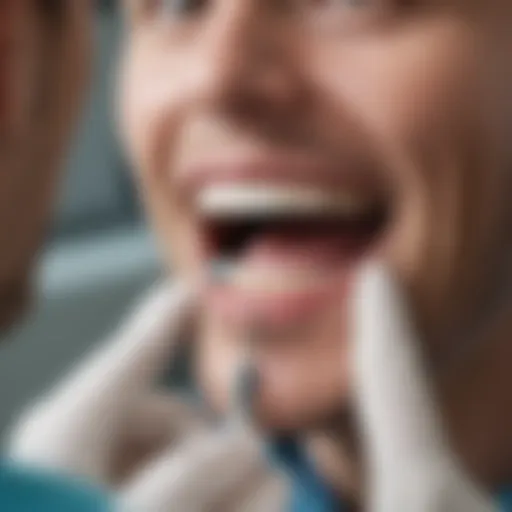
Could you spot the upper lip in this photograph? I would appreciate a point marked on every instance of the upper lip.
(279, 168)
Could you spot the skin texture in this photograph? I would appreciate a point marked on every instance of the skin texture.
(418, 90)
(44, 55)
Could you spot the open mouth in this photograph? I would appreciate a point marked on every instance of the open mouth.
(307, 226)
(278, 253)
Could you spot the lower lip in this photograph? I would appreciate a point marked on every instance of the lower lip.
(282, 308)
(329, 262)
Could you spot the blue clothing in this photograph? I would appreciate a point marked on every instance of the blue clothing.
(27, 490)
(309, 493)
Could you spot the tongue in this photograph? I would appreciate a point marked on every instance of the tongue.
(282, 277)
(307, 249)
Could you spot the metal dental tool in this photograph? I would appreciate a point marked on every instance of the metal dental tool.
(246, 382)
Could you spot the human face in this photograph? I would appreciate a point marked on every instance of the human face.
(43, 63)
(292, 140)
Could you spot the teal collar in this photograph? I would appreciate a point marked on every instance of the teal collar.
(24, 489)
(505, 500)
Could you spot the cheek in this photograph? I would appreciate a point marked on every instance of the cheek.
(420, 97)
(154, 97)
(150, 112)
(411, 92)
(406, 86)
(146, 110)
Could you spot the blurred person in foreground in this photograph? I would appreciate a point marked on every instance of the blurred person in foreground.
(44, 61)
(347, 166)
(45, 49)
(44, 52)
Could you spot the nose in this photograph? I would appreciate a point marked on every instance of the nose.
(250, 62)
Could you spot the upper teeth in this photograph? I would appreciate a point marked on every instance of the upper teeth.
(264, 200)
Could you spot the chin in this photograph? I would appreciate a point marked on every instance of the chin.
(303, 371)
(294, 415)
(287, 407)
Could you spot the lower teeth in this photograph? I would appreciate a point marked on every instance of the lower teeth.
(264, 278)
(221, 269)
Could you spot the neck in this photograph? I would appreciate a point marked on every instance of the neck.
(335, 451)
